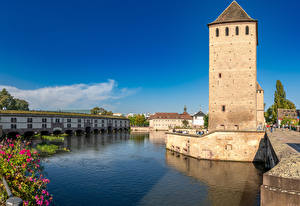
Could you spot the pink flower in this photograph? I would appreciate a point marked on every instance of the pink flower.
(23, 151)
(11, 145)
(25, 202)
(28, 160)
(18, 135)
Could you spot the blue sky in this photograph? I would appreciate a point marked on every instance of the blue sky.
(133, 55)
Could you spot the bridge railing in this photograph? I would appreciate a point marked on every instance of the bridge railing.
(11, 201)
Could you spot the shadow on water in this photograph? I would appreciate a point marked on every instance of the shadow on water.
(229, 183)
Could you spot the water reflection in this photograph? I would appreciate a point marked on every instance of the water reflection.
(135, 169)
(229, 183)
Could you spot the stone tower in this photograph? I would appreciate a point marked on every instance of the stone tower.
(235, 97)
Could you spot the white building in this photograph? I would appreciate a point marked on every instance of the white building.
(198, 119)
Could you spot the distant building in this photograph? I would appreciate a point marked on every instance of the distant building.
(117, 114)
(292, 114)
(198, 119)
(166, 121)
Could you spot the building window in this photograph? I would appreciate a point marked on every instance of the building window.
(68, 120)
(88, 121)
(13, 120)
(13, 126)
(223, 108)
(79, 121)
(247, 30)
(95, 121)
(237, 30)
(29, 119)
(96, 125)
(44, 125)
(44, 120)
(69, 125)
(220, 75)
(57, 120)
(217, 32)
(102, 121)
(102, 125)
(29, 126)
(79, 125)
(227, 31)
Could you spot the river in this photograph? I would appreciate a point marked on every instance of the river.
(136, 169)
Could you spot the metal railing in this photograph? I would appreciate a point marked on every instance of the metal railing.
(11, 201)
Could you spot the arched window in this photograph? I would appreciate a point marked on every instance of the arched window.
(247, 30)
(227, 31)
(217, 32)
(237, 30)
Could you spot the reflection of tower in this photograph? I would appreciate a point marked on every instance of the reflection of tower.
(233, 87)
(228, 183)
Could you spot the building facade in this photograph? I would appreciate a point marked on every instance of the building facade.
(291, 114)
(28, 121)
(198, 119)
(166, 121)
(235, 97)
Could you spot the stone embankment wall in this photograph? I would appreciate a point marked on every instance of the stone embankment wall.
(281, 184)
(140, 129)
(219, 145)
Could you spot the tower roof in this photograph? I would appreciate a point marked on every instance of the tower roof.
(233, 13)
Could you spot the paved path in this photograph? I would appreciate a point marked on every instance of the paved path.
(291, 138)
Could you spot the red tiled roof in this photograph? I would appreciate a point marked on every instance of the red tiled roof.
(161, 115)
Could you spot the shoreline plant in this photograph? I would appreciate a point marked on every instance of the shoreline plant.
(22, 169)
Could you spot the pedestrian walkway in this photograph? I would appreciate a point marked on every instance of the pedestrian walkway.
(291, 138)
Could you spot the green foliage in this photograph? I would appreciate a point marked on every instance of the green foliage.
(280, 102)
(286, 121)
(185, 123)
(57, 113)
(206, 117)
(10, 103)
(47, 148)
(101, 111)
(139, 120)
(21, 168)
(53, 138)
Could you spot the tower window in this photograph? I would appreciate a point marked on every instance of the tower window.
(223, 108)
(247, 30)
(227, 31)
(220, 75)
(217, 32)
(237, 30)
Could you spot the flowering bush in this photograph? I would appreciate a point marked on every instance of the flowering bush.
(22, 170)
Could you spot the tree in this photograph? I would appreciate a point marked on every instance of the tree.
(102, 111)
(8, 102)
(22, 104)
(95, 110)
(206, 117)
(280, 102)
(185, 123)
(138, 120)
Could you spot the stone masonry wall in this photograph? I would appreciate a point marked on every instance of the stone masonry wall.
(220, 145)
(232, 77)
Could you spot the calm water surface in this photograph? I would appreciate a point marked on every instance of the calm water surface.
(135, 169)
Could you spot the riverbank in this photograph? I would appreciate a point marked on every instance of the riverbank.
(139, 129)
(281, 184)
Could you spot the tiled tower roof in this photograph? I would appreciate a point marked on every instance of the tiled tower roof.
(233, 13)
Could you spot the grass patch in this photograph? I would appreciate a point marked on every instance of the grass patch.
(47, 148)
(54, 138)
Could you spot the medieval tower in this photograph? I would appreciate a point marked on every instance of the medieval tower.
(235, 97)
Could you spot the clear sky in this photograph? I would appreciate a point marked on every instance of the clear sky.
(133, 55)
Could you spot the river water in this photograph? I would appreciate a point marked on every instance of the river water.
(136, 169)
